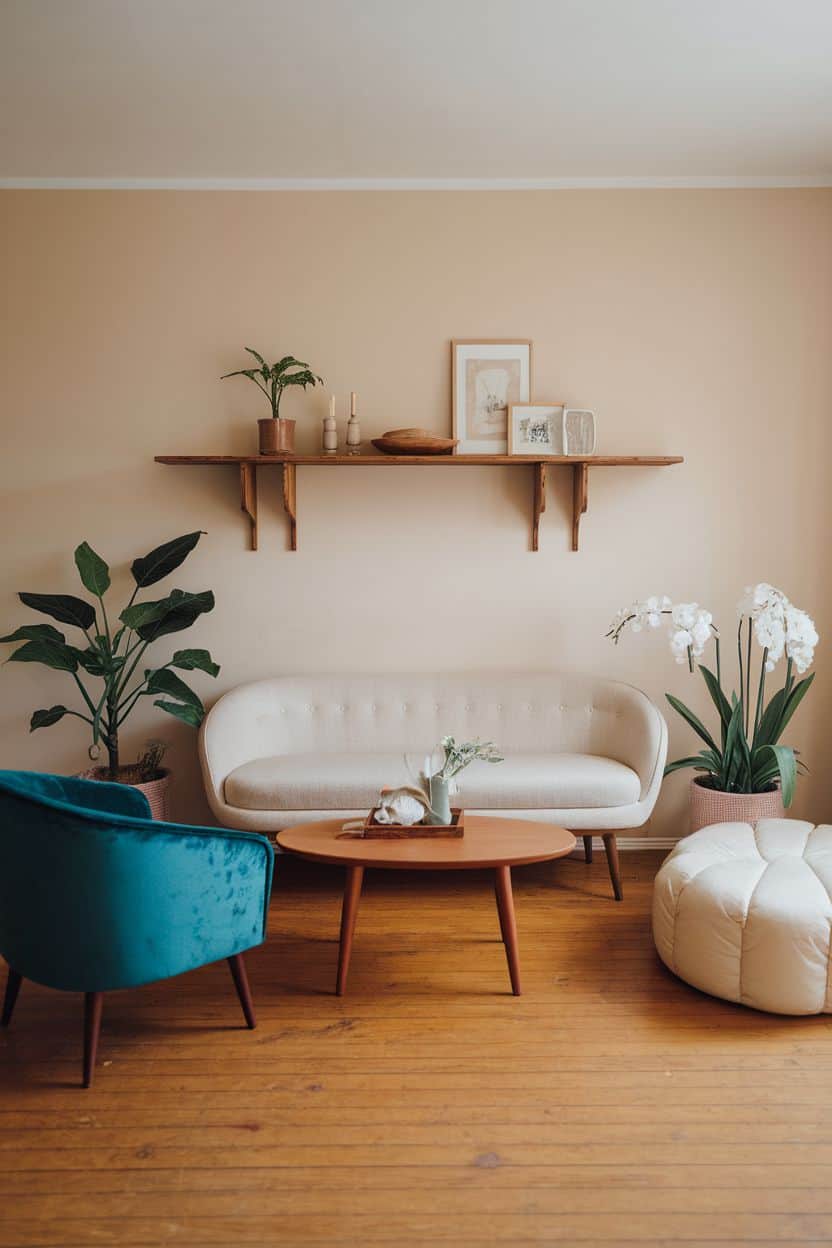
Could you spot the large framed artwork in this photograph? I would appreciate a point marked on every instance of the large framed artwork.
(488, 376)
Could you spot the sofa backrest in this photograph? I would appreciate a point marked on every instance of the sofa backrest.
(527, 712)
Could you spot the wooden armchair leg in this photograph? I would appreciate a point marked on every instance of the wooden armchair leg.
(238, 974)
(611, 847)
(12, 989)
(588, 848)
(93, 1003)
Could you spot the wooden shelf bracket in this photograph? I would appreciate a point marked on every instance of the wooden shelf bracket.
(580, 498)
(290, 505)
(248, 497)
(539, 503)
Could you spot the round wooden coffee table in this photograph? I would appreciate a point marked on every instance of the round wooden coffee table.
(489, 842)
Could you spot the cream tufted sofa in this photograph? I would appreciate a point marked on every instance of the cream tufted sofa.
(581, 752)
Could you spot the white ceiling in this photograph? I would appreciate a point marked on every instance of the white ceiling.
(538, 90)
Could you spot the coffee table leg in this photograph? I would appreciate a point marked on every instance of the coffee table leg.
(349, 909)
(508, 926)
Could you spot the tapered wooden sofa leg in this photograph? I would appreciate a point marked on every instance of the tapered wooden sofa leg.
(93, 1004)
(588, 848)
(238, 973)
(12, 989)
(611, 847)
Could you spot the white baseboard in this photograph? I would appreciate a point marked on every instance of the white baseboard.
(629, 842)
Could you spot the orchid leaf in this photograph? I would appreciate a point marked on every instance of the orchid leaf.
(787, 768)
(695, 723)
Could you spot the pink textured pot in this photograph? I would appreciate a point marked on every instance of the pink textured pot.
(156, 791)
(709, 806)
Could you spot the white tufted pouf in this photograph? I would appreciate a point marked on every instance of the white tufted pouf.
(745, 912)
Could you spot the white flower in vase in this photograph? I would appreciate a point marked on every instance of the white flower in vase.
(750, 758)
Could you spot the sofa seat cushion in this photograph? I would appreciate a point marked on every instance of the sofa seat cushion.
(352, 782)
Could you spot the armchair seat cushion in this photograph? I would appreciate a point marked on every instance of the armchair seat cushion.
(351, 781)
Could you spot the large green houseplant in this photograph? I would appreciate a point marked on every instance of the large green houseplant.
(106, 665)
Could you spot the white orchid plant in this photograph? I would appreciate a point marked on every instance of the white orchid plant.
(744, 755)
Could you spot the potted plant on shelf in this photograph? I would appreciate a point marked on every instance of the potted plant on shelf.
(277, 433)
(745, 772)
(112, 654)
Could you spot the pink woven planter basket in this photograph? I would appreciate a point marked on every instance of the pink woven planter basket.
(156, 791)
(709, 806)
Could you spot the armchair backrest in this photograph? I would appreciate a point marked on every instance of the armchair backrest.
(94, 895)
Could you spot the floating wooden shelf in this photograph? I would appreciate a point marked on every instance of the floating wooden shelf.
(579, 465)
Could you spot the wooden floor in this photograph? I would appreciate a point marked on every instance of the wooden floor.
(609, 1104)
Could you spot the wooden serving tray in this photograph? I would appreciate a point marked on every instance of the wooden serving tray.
(413, 442)
(403, 832)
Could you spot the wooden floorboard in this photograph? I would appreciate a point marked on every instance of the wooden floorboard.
(608, 1104)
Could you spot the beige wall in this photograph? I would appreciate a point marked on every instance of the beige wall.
(694, 322)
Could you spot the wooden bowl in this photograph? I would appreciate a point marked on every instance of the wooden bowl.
(413, 442)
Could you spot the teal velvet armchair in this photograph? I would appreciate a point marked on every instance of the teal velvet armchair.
(95, 896)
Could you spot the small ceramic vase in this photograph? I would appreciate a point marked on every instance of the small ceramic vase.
(329, 438)
(440, 801)
(353, 428)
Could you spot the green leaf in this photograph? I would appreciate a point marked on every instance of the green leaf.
(695, 723)
(787, 767)
(65, 608)
(45, 719)
(165, 681)
(258, 357)
(55, 654)
(188, 714)
(99, 663)
(167, 615)
(163, 560)
(195, 661)
(251, 373)
(695, 760)
(93, 571)
(288, 361)
(718, 698)
(793, 701)
(35, 632)
(767, 729)
(733, 755)
(299, 379)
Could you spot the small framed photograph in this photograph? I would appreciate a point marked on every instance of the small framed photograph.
(488, 376)
(536, 429)
(578, 431)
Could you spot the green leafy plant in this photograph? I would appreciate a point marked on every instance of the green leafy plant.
(112, 654)
(743, 754)
(460, 755)
(273, 379)
(149, 762)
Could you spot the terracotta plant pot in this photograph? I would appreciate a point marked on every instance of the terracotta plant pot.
(277, 437)
(156, 791)
(709, 806)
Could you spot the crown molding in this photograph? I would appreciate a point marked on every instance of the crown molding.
(755, 182)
